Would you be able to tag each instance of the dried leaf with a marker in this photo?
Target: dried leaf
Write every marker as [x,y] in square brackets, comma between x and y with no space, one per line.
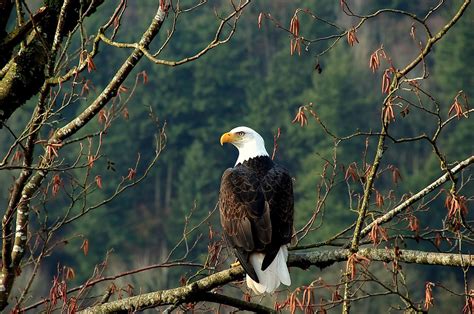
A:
[90,64]
[379,202]
[17,156]
[260,17]
[458,109]
[144,76]
[413,224]
[102,116]
[69,273]
[123,89]
[396,176]
[429,295]
[86,87]
[437,240]
[374,61]
[116,22]
[163,5]
[351,172]
[386,81]
[85,246]
[57,183]
[356,259]
[131,174]
[300,117]
[295,41]
[377,234]
[98,181]
[351,37]
[469,305]
[336,296]
[72,306]
[90,161]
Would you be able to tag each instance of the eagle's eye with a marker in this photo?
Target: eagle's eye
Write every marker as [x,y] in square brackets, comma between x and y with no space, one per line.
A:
[241,133]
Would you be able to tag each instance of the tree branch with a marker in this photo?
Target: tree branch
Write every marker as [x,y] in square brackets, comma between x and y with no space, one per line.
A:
[328,257]
[404,205]
[434,39]
[112,88]
[196,291]
[24,74]
[172,296]
[237,303]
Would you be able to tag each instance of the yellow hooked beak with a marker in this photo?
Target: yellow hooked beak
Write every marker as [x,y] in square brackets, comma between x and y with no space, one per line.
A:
[227,138]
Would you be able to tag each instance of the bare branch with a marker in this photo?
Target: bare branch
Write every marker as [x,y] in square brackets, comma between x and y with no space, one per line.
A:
[404,205]
[193,292]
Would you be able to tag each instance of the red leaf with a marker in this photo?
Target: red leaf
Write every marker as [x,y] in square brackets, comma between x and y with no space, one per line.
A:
[17,156]
[90,64]
[102,116]
[437,240]
[295,41]
[144,76]
[98,181]
[123,89]
[69,273]
[86,87]
[413,224]
[396,176]
[131,174]
[351,37]
[85,246]
[469,306]
[429,295]
[336,296]
[116,22]
[378,199]
[90,161]
[260,17]
[374,61]
[457,108]
[351,172]
[57,182]
[386,82]
[183,280]
[300,117]
[72,306]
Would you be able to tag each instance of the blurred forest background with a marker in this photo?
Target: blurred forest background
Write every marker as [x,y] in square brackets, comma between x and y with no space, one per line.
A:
[254,81]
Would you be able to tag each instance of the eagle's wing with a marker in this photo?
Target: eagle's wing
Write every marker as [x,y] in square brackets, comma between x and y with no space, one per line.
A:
[277,187]
[245,215]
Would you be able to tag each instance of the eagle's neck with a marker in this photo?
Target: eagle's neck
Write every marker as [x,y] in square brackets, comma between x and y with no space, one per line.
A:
[251,149]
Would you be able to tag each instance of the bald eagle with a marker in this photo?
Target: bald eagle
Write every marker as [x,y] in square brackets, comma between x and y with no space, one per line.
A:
[256,211]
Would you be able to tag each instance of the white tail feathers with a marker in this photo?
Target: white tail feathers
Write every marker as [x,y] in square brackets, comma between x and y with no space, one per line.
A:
[276,272]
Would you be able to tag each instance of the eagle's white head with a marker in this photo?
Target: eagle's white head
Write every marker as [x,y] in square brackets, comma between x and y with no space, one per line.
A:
[249,143]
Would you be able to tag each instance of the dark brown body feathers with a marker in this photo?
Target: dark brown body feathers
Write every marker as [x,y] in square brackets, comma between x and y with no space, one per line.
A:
[256,209]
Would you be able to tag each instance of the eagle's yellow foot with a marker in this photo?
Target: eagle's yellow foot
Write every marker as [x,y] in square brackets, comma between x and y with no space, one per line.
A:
[235,264]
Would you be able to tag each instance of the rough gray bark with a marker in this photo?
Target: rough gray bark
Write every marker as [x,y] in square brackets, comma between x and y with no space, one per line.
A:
[22,73]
